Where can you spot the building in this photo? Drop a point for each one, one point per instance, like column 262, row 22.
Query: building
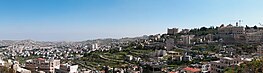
column 223, row 63
column 41, row 64
column 240, row 34
column 184, row 31
column 175, row 55
column 186, row 39
column 159, row 53
column 152, row 67
column 191, row 70
column 253, row 29
column 209, row 38
column 67, row 68
column 260, row 50
column 187, row 58
column 232, row 34
column 169, row 44
column 254, row 34
column 2, row 63
column 155, row 37
column 205, row 68
column 18, row 69
column 172, row 31
column 254, row 37
column 95, row 46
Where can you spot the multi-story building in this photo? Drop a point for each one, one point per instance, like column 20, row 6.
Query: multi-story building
column 254, row 34
column 172, row 31
column 186, row 39
column 223, row 63
column 254, row 37
column 95, row 46
column 169, row 43
column 175, row 55
column 232, row 34
column 253, row 29
column 208, row 37
column 41, row 64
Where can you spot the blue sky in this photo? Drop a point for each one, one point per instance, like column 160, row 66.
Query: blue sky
column 74, row 20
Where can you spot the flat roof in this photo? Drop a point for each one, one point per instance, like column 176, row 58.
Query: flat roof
column 228, row 58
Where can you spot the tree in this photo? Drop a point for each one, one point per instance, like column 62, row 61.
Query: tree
column 6, row 70
column 247, row 27
column 203, row 29
column 222, row 25
column 255, row 27
column 254, row 66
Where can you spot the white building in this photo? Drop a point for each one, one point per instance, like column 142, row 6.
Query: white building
column 186, row 39
column 2, row 63
column 17, row 68
column 67, row 68
column 205, row 68
column 95, row 46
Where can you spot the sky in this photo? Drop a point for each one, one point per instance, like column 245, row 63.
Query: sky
column 77, row 20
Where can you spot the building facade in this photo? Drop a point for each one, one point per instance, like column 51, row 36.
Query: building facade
column 40, row 64
column 186, row 39
column 172, row 31
column 223, row 63
column 232, row 34
column 67, row 68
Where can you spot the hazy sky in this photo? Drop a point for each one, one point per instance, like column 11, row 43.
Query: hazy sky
column 71, row 20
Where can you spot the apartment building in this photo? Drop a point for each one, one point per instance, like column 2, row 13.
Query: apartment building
column 231, row 34
column 40, row 64
column 186, row 39
column 223, row 63
column 175, row 55
column 254, row 37
column 169, row 44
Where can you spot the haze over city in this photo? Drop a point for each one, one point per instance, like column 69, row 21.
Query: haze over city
column 131, row 36
column 74, row 20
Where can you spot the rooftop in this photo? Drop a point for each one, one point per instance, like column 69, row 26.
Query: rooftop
column 228, row 58
column 192, row 69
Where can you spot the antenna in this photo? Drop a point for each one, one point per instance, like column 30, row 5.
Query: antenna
column 240, row 21
column 260, row 24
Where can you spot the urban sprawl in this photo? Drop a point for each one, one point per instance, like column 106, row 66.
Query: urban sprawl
column 227, row 48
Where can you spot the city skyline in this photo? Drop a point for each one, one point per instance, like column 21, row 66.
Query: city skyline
column 71, row 20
